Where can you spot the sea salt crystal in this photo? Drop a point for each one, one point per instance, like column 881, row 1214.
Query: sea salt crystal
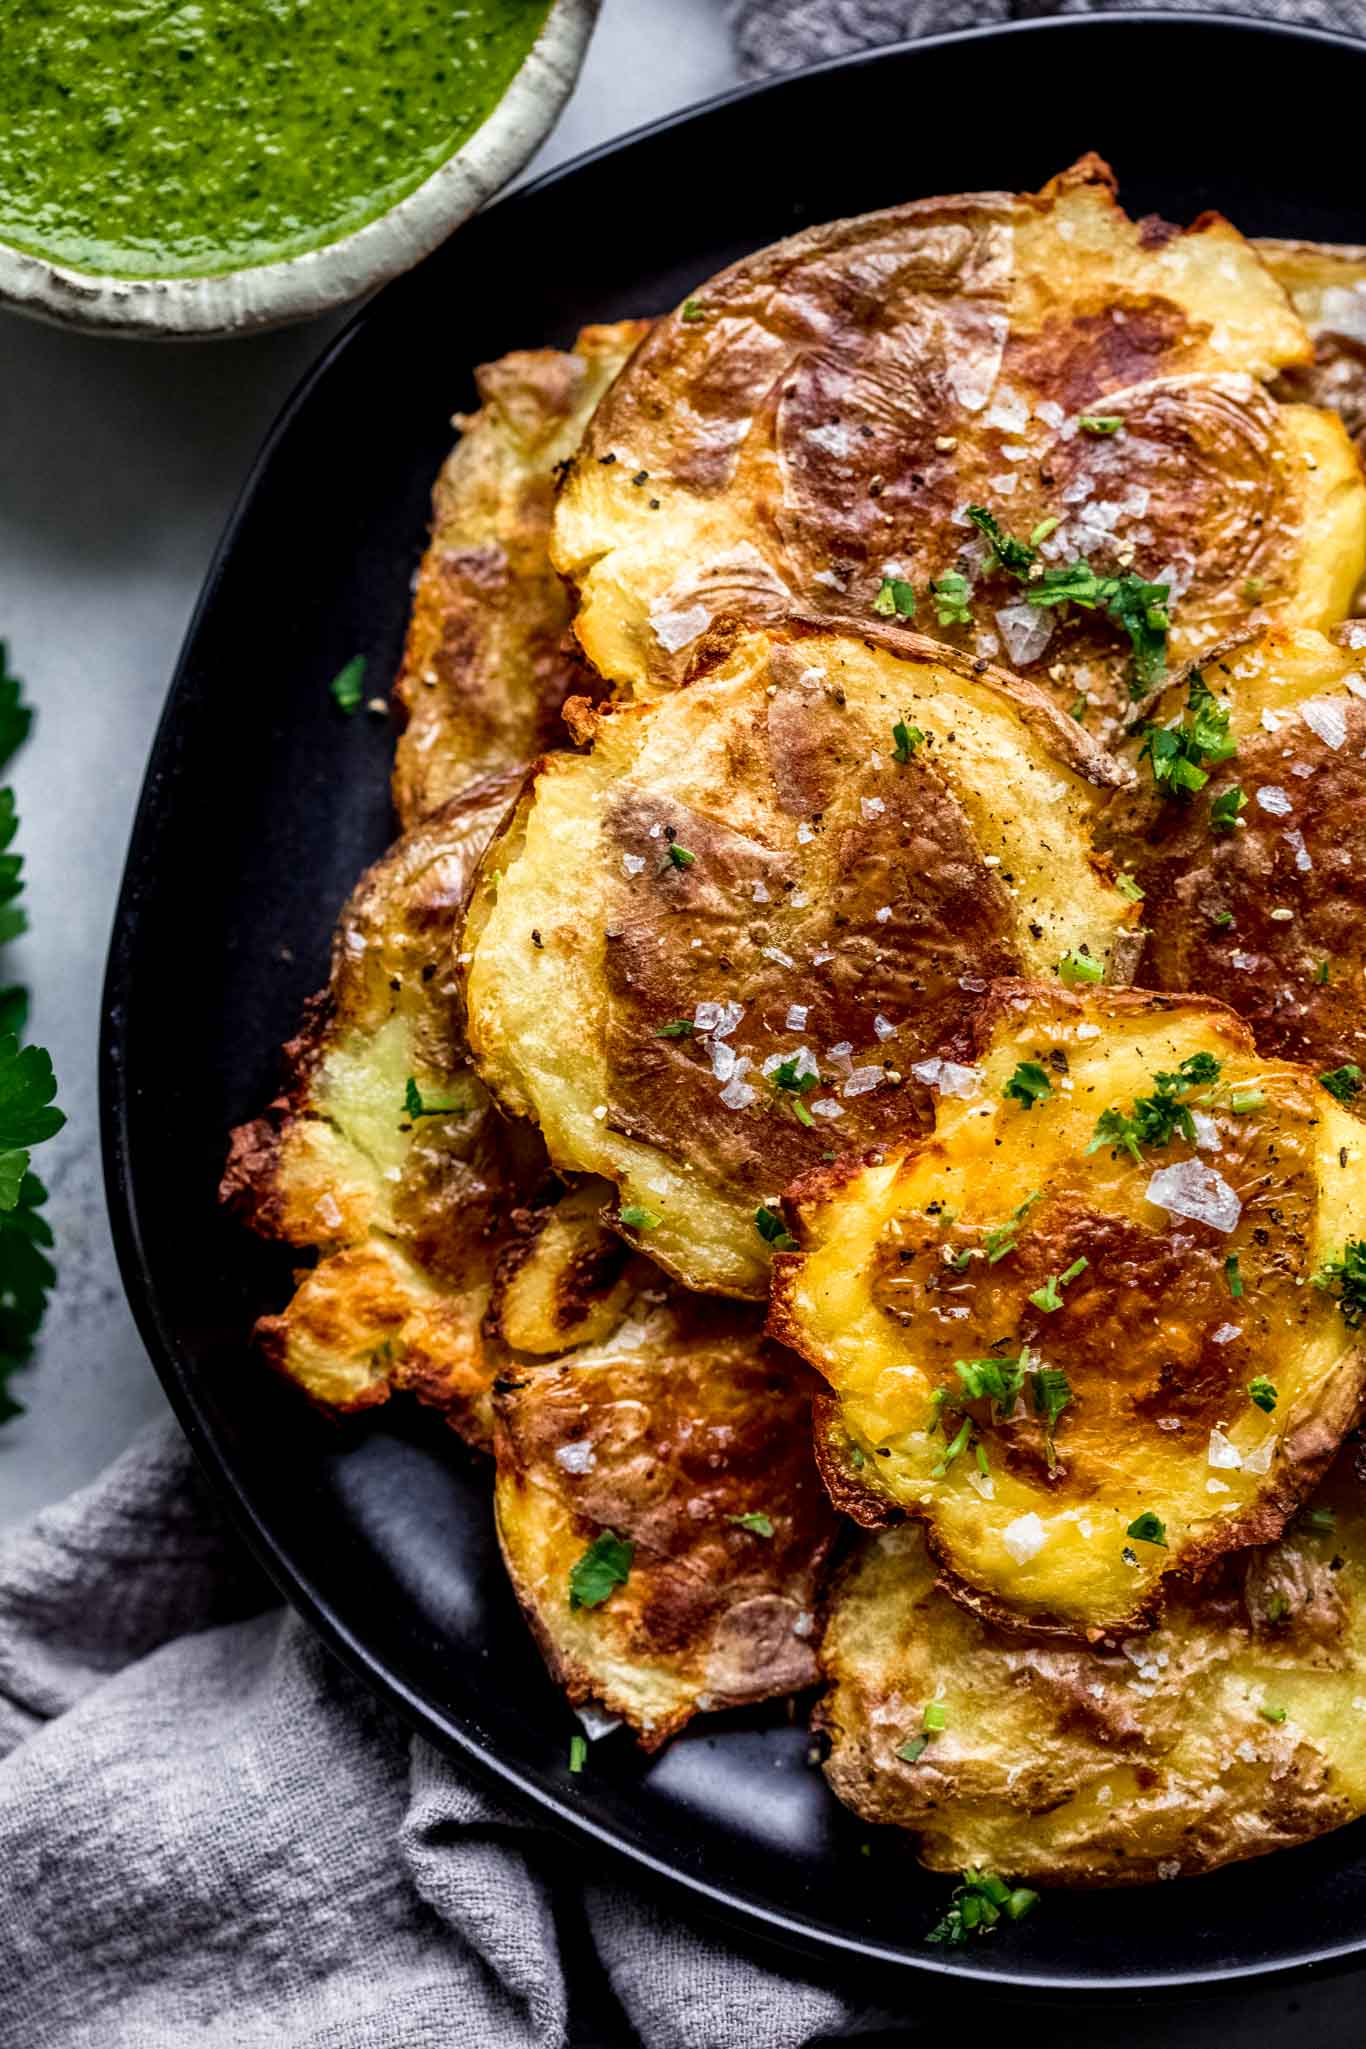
column 1272, row 798
column 797, row 1016
column 723, row 1060
column 1026, row 631
column 674, row 629
column 1216, row 1487
column 596, row 1724
column 1271, row 722
column 1009, row 412
column 1170, row 1867
column 1326, row 719
column 737, row 1094
column 804, row 833
column 1294, row 839
column 1244, row 962
column 1223, row 1453
column 1191, row 1189
column 983, row 1484
column 949, row 1077
column 1259, row 1461
column 759, row 894
column 862, row 1079
column 884, row 1027
column 576, row 1458
column 871, row 807
column 633, row 863
column 802, row 1062
column 1050, row 412
column 1206, row 1132
column 1024, row 1538
column 883, row 913
column 775, row 953
column 720, row 1019
column 1225, row 1333
column 826, row 1106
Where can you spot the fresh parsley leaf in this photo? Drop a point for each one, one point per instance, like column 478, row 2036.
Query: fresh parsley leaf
column 952, row 598
column 956, row 1445
column 1000, row 1239
column 1272, row 1714
column 935, row 1717
column 12, row 919
column 991, row 1379
column 1041, row 532
column 787, row 1075
column 1052, row 1391
column 677, row 1028
column 1277, row 1608
column 756, row 1522
column 907, row 739
column 16, row 718
column 1156, row 1119
column 416, row 1105
column 1049, row 1296
column 1010, row 554
column 895, row 599
column 27, row 1278
column 681, row 857
column 1223, row 817
column 1135, row 606
column 977, row 1906
column 578, row 1753
column 1182, row 755
column 692, row 309
column 1343, row 1082
column 1099, row 423
column 1345, row 1277
column 1077, row 967
column 348, row 686
column 912, row 1748
column 1322, row 1519
column 637, row 1218
column 604, row 1566
column 772, row 1230
column 1127, row 887
column 1148, row 1529
column 1233, row 1275
column 1262, row 1392
column 1028, row 1085
column 1321, row 973
column 1242, row 1102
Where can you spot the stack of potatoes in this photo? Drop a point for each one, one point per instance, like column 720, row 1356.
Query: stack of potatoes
column 849, row 1084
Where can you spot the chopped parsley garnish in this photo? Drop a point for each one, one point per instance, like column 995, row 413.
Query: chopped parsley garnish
column 952, row 598
column 692, row 309
column 680, row 856
column 1182, row 755
column 1000, row 1239
column 1324, row 1519
column 997, row 1380
column 953, row 1448
column 416, row 1105
column 1127, row 887
column 578, row 1753
column 1028, row 1085
column 1077, row 967
column 677, row 1028
column 1015, row 556
column 1321, row 973
column 1346, row 1278
column 1049, row 1296
column 912, row 1748
column 755, row 1522
column 637, row 1218
column 1262, row 1392
column 773, row 1230
column 1233, row 1275
column 935, row 1717
column 1277, row 1608
column 1223, row 817
column 1148, row 1529
column 348, row 686
column 1099, row 423
column 907, row 739
column 1272, row 1714
column 787, row 1076
column 1343, row 1082
column 1253, row 587
column 1242, row 1102
column 895, row 599
column 1052, row 1391
column 977, row 1906
column 1223, row 919
column 604, row 1566
column 1156, row 1119
column 1041, row 532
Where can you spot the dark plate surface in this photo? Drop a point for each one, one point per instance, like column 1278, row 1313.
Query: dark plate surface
column 261, row 806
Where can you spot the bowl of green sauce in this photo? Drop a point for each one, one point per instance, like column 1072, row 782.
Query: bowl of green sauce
column 220, row 166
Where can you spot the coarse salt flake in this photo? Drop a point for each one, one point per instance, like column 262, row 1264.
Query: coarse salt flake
column 1223, row 1453
column 1326, row 719
column 826, row 1106
column 861, row 1080
column 675, row 628
column 1026, row 631
column 949, row 1077
column 1191, row 1189
column 883, row 913
column 884, row 1027
column 1271, row 797
column 576, row 1458
column 797, row 1016
column 633, row 863
column 1024, row 1538
column 871, row 807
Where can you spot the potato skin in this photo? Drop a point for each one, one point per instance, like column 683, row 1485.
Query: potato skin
column 818, row 878
column 487, row 665
column 934, row 1251
column 687, row 1421
column 1149, row 1761
column 845, row 394
column 1216, row 902
column 1327, row 287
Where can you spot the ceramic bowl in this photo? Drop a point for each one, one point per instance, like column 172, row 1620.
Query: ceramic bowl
column 300, row 287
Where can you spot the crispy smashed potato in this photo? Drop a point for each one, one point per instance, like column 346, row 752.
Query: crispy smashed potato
column 486, row 667
column 409, row 1211
column 1076, row 1332
column 1327, row 286
column 1234, row 1729
column 715, row 951
column 815, row 422
column 1255, row 884
column 687, row 1439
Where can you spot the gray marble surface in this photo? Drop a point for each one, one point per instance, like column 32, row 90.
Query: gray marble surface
column 121, row 464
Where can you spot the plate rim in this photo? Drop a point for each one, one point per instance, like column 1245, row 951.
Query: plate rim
column 795, row 1935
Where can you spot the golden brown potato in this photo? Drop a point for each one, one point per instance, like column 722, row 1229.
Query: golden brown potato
column 1327, row 286
column 1075, row 1332
column 486, row 666
column 818, row 419
column 1268, row 913
column 714, row 952
column 1237, row 1728
column 410, row 1213
column 687, row 1439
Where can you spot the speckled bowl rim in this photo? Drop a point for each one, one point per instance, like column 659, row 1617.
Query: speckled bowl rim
column 300, row 287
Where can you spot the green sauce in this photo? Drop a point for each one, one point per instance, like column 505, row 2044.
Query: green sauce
column 143, row 138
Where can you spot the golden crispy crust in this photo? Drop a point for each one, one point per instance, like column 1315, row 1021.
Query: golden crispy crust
column 1270, row 916
column 685, row 1423
column 1327, row 286
column 828, row 407
column 950, row 1248
column 1233, row 1730
column 824, row 895
column 486, row 665
column 410, row 1216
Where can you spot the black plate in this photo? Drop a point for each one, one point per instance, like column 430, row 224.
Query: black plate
column 261, row 806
